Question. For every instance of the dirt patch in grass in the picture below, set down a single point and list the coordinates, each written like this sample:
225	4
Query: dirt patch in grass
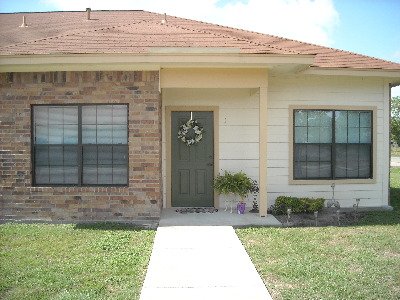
390	254
278	285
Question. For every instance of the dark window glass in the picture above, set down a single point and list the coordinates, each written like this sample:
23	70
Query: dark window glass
80	145
332	144
313	144
102	164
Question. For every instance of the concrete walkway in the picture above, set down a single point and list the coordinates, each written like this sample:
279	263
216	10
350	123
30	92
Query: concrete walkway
201	262
395	161
169	217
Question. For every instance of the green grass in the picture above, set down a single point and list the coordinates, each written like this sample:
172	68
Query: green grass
388	217
396	151
358	262
109	261
395	187
103	261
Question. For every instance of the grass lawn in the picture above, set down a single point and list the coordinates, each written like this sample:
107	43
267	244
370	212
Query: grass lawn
359	262
103	261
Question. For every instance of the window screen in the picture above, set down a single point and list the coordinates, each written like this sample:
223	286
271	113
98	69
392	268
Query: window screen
80	145
332	144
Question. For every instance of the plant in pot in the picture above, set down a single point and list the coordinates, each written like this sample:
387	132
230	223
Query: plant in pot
237	184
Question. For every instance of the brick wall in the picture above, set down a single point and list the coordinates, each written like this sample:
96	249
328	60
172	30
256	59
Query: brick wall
141	201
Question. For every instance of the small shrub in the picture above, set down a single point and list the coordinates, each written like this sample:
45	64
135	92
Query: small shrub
314	204
297	205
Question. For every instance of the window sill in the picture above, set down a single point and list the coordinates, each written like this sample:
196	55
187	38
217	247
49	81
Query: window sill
330	181
79	186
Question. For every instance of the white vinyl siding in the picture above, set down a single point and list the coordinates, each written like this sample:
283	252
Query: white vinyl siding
239	131
300	91
238	124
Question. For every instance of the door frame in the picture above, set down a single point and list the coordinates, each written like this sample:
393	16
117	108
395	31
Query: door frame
168	115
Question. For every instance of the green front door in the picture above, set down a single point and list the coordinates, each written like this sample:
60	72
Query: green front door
192	166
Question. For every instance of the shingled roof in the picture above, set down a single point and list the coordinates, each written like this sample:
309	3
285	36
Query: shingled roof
137	32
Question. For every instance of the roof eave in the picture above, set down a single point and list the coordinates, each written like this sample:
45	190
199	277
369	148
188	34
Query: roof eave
150	61
393	74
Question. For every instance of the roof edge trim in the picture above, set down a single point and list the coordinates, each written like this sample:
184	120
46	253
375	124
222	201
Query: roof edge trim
28	63
388	73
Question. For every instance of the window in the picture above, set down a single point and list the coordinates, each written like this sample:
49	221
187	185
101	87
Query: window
80	145
332	144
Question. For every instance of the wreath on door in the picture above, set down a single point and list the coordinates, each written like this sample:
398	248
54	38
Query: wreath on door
183	133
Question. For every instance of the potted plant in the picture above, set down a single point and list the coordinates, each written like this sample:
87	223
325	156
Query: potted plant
238	184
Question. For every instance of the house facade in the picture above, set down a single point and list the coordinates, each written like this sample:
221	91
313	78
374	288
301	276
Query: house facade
92	104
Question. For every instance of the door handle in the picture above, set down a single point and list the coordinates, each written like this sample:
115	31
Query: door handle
210	164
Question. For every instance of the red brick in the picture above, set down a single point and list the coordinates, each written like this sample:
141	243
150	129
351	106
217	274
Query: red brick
21	201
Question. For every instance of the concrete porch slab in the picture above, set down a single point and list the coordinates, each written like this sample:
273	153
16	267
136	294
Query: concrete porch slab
169	217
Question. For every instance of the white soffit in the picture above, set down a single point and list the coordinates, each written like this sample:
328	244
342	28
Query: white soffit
150	61
395	74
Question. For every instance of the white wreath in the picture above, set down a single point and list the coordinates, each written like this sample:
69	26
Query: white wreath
184	129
